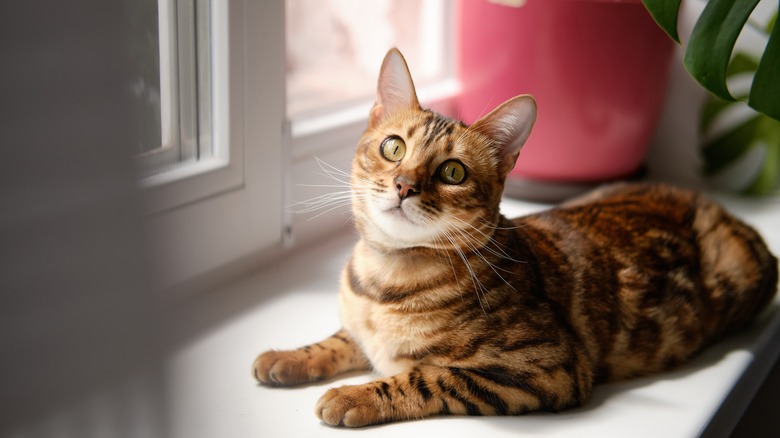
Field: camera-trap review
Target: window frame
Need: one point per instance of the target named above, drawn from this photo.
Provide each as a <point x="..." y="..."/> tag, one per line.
<point x="185" y="88"/>
<point x="212" y="213"/>
<point x="192" y="164"/>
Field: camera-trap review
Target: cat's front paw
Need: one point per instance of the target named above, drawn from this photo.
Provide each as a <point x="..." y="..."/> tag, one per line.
<point x="351" y="406"/>
<point x="283" y="368"/>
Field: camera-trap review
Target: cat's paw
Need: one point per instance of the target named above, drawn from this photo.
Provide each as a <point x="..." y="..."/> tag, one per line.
<point x="284" y="368"/>
<point x="351" y="406"/>
<point x="280" y="368"/>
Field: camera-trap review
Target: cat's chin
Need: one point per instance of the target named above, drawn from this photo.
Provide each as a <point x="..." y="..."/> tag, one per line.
<point x="395" y="227"/>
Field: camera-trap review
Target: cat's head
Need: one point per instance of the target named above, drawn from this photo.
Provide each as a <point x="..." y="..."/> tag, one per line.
<point x="423" y="180"/>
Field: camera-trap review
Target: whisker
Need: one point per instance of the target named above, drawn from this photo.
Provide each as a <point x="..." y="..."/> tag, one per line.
<point x="476" y="251"/>
<point x="438" y="240"/>
<point x="324" y="201"/>
<point x="337" y="174"/>
<point x="324" y="198"/>
<point x="356" y="190"/>
<point x="335" y="207"/>
<point x="325" y="186"/>
<point x="500" y="249"/>
<point x="479" y="288"/>
<point x="330" y="168"/>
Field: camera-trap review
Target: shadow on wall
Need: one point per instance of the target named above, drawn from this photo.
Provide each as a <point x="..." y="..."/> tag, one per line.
<point x="76" y="315"/>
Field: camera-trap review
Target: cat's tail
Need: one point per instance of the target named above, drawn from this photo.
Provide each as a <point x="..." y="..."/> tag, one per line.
<point x="738" y="270"/>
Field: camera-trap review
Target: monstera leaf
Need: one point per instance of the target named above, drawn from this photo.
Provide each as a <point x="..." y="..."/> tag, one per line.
<point x="750" y="144"/>
<point x="708" y="53"/>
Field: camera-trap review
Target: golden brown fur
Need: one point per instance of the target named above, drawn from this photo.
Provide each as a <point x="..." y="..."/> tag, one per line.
<point x="463" y="311"/>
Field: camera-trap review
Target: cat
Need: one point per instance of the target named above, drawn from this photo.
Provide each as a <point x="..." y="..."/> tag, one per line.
<point x="465" y="312"/>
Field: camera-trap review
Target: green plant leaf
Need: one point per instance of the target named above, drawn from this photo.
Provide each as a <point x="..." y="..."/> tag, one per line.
<point x="767" y="178"/>
<point x="758" y="131"/>
<point x="765" y="90"/>
<point x="741" y="63"/>
<point x="665" y="13"/>
<point x="724" y="150"/>
<point x="712" y="41"/>
<point x="711" y="109"/>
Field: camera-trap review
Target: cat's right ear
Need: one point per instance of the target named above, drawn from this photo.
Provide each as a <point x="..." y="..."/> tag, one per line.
<point x="509" y="126"/>
<point x="395" y="89"/>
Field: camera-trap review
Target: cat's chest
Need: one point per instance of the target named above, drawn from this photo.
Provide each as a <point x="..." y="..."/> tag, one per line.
<point x="386" y="314"/>
<point x="391" y="339"/>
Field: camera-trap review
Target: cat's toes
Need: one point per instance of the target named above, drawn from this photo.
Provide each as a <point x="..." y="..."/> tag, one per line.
<point x="284" y="368"/>
<point x="278" y="368"/>
<point x="351" y="406"/>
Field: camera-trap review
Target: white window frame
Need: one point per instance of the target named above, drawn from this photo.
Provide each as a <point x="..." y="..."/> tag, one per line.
<point x="185" y="90"/>
<point x="214" y="172"/>
<point x="228" y="207"/>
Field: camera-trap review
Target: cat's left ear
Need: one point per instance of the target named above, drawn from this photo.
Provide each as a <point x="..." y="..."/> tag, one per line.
<point x="509" y="126"/>
<point x="395" y="89"/>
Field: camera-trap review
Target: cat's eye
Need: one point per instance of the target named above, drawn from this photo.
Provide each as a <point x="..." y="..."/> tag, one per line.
<point x="452" y="172"/>
<point x="393" y="148"/>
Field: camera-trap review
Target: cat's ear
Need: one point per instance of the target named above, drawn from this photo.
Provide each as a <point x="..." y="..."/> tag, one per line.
<point x="395" y="89"/>
<point x="509" y="126"/>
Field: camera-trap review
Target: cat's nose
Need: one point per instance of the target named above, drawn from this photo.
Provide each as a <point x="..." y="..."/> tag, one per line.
<point x="406" y="187"/>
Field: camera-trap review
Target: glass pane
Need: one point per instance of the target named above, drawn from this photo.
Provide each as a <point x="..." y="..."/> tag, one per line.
<point x="335" y="47"/>
<point x="145" y="49"/>
<point x="172" y="82"/>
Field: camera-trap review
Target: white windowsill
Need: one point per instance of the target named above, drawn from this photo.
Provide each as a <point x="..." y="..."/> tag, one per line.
<point x="294" y="302"/>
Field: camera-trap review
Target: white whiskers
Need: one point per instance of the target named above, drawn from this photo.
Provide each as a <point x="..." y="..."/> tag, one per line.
<point x="331" y="201"/>
<point x="468" y="241"/>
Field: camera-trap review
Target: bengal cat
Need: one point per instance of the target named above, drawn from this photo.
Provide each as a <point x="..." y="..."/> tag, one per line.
<point x="465" y="312"/>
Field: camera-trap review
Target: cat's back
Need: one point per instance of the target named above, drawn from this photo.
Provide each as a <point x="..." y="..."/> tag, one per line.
<point x="649" y="273"/>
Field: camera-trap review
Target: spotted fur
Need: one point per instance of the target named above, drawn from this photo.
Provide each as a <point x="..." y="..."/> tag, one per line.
<point x="465" y="312"/>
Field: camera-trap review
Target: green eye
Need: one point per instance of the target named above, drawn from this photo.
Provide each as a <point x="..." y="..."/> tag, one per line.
<point x="452" y="172"/>
<point x="393" y="148"/>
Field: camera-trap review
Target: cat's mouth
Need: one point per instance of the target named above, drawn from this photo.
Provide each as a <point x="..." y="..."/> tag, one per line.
<point x="398" y="213"/>
<point x="401" y="214"/>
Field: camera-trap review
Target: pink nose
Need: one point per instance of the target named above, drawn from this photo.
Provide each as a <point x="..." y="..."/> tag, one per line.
<point x="406" y="188"/>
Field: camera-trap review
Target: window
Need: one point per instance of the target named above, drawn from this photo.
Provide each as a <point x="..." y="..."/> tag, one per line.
<point x="227" y="208"/>
<point x="335" y="47"/>
<point x="146" y="88"/>
<point x="173" y="87"/>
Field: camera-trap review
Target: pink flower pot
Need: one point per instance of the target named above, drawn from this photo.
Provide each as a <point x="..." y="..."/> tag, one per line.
<point x="598" y="70"/>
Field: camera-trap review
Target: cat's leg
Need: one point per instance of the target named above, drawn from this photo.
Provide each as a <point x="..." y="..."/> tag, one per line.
<point x="336" y="354"/>
<point x="429" y="390"/>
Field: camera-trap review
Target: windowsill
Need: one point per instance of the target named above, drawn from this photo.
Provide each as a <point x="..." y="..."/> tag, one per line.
<point x="294" y="302"/>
